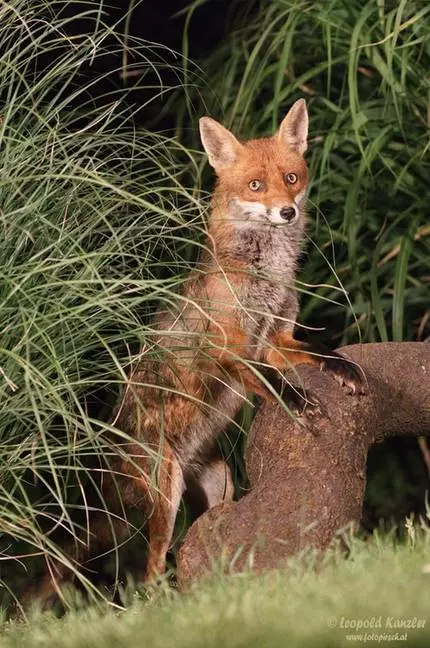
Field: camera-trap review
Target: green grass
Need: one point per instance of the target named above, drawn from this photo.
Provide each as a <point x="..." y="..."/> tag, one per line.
<point x="299" y="606"/>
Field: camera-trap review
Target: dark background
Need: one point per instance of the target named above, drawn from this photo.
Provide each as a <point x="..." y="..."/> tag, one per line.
<point x="161" y="23"/>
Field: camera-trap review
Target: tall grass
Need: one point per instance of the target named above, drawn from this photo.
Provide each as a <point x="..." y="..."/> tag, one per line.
<point x="363" y="67"/>
<point x="97" y="225"/>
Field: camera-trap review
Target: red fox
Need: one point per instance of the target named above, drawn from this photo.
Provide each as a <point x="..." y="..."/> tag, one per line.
<point x="229" y="333"/>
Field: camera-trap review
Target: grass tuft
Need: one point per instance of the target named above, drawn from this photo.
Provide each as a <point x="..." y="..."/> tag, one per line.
<point x="98" y="225"/>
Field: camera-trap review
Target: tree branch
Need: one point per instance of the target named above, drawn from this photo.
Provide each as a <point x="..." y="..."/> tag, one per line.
<point x="304" y="488"/>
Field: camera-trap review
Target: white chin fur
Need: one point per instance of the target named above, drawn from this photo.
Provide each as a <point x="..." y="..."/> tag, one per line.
<point x="244" y="212"/>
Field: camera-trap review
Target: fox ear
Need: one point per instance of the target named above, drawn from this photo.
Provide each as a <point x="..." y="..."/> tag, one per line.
<point x="293" y="131"/>
<point x="221" y="146"/>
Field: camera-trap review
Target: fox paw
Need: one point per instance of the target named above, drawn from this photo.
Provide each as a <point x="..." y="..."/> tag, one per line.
<point x="345" y="372"/>
<point x="306" y="408"/>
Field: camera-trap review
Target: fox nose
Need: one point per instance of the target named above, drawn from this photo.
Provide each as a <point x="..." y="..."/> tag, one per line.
<point x="288" y="213"/>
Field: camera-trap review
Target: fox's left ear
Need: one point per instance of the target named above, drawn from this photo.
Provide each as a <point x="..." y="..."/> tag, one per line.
<point x="293" y="131"/>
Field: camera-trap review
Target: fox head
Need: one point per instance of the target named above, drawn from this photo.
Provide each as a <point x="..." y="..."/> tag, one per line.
<point x="262" y="180"/>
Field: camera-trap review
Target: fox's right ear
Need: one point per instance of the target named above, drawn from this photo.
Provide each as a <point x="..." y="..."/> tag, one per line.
<point x="293" y="131"/>
<point x="221" y="146"/>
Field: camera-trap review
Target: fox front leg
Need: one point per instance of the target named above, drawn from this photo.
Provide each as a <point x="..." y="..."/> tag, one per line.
<point x="285" y="352"/>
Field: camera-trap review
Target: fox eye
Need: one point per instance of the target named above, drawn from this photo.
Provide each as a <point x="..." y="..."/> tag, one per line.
<point x="255" y="185"/>
<point x="291" y="178"/>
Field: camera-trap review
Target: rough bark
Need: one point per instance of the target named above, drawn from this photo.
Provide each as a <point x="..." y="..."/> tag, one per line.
<point x="304" y="488"/>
